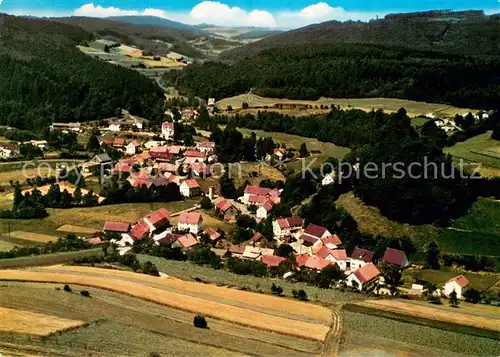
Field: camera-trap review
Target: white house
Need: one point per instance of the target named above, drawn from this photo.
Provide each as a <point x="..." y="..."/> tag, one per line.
<point x="263" y="211"/>
<point x="190" y="221"/>
<point x="459" y="284"/>
<point x="115" y="126"/>
<point x="363" y="277"/>
<point x="283" y="227"/>
<point x="190" y="188"/>
<point x="132" y="148"/>
<point x="167" y="130"/>
<point x="329" y="179"/>
<point x="152" y="144"/>
<point x="207" y="147"/>
<point x="360" y="257"/>
<point x="6" y="152"/>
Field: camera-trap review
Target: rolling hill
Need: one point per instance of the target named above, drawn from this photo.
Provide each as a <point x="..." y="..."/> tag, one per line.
<point x="469" y="33"/>
<point x="156" y="21"/>
<point x="45" y="78"/>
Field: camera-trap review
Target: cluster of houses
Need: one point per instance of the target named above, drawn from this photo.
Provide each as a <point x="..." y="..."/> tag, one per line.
<point x="9" y="151"/>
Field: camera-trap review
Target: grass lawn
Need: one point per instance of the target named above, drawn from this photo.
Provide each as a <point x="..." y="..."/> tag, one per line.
<point x="449" y="342"/>
<point x="479" y="281"/>
<point x="188" y="270"/>
<point x="479" y="149"/>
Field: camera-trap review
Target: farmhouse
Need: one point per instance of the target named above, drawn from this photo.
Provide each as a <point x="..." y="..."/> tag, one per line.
<point x="360" y="257"/>
<point x="192" y="156"/>
<point x="114" y="126"/>
<point x="186" y="241"/>
<point x="283" y="227"/>
<point x="157" y="219"/>
<point x="253" y="253"/>
<point x="225" y="207"/>
<point x="337" y="256"/>
<point x="264" y="210"/>
<point x="140" y="230"/>
<point x="117" y="227"/>
<point x="76" y="127"/>
<point x="212" y="233"/>
<point x="312" y="262"/>
<point x="262" y="192"/>
<point x="315" y="231"/>
<point x="331" y="242"/>
<point x="191" y="222"/>
<point x="190" y="188"/>
<point x="363" y="277"/>
<point x="165" y="238"/>
<point x="272" y="260"/>
<point x="132" y="148"/>
<point x="167" y="130"/>
<point x="458" y="284"/>
<point x="395" y="257"/>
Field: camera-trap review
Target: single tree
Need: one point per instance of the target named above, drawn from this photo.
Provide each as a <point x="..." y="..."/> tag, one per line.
<point x="432" y="256"/>
<point x="303" y="152"/>
<point x="454" y="302"/>
<point x="67" y="288"/>
<point x="93" y="144"/>
<point x="200" y="321"/>
<point x="205" y="203"/>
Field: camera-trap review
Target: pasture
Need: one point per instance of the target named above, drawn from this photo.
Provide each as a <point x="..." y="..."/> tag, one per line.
<point x="33" y="237"/>
<point x="19" y="321"/>
<point x="478" y="149"/>
<point x="413" y="108"/>
<point x="48" y="259"/>
<point x="482" y="217"/>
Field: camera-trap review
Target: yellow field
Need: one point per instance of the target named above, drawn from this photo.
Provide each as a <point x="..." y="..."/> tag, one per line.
<point x="19" y="321"/>
<point x="221" y="311"/>
<point x="6" y="246"/>
<point x="389" y="105"/>
<point x="251" y="299"/>
<point x="68" y="228"/>
<point x="432" y="313"/>
<point x="35" y="237"/>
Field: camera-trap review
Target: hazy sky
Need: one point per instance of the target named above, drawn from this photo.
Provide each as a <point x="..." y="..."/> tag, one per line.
<point x="263" y="13"/>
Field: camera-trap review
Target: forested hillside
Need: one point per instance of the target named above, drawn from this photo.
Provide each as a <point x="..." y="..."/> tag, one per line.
<point x="347" y="70"/>
<point x="44" y="78"/>
<point x="468" y="32"/>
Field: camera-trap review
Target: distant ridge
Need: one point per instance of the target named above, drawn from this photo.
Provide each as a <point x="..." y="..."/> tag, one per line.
<point x="464" y="32"/>
<point x="155" y="21"/>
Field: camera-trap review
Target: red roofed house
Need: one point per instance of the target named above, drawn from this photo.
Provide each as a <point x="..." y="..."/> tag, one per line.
<point x="331" y="242"/>
<point x="193" y="156"/>
<point x="254" y="191"/>
<point x="272" y="260"/>
<point x="283" y="227"/>
<point x="257" y="237"/>
<point x="157" y="219"/>
<point x="186" y="241"/>
<point x="167" y="130"/>
<point x="191" y="222"/>
<point x="140" y="230"/>
<point x="360" y="257"/>
<point x="316" y="263"/>
<point x="316" y="231"/>
<point x="119" y="142"/>
<point x="226" y="207"/>
<point x="212" y="233"/>
<point x="190" y="188"/>
<point x="160" y="153"/>
<point x="117" y="227"/>
<point x="200" y="169"/>
<point x="337" y="256"/>
<point x="395" y="257"/>
<point x="459" y="284"/>
<point x="363" y="277"/>
<point x="237" y="250"/>
<point x="264" y="210"/>
<point x="301" y="259"/>
<point x="132" y="148"/>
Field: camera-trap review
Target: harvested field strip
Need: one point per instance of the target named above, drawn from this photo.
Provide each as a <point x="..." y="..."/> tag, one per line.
<point x="76" y="229"/>
<point x="260" y="300"/>
<point x="211" y="309"/>
<point x="19" y="321"/>
<point x="430" y="313"/>
<point x="36" y="237"/>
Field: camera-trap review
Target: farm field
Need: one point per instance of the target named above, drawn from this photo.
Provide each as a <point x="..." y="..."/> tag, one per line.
<point x="479" y="149"/>
<point x="428" y="311"/>
<point x="33" y="237"/>
<point x="413" y="108"/>
<point x="178" y="300"/>
<point x="6" y="246"/>
<point x="389" y="337"/>
<point x="118" y="324"/>
<point x="188" y="270"/>
<point x="19" y="321"/>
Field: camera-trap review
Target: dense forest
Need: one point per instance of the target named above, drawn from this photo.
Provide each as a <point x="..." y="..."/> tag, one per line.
<point x="465" y="32"/>
<point x="343" y="71"/>
<point x="435" y="192"/>
<point x="46" y="79"/>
